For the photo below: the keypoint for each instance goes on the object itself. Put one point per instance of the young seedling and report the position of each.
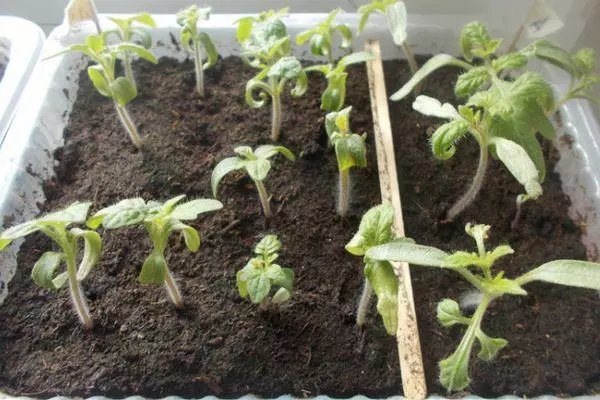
(321, 36)
(257, 166)
(376, 229)
(396, 16)
(121, 89)
(260, 274)
(197, 43)
(127, 32)
(350, 151)
(502, 115)
(334, 95)
(159, 219)
(270, 82)
(454, 370)
(44, 271)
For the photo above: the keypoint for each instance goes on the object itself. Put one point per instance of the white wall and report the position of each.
(503, 16)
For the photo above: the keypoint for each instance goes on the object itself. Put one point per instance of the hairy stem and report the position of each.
(363, 304)
(264, 198)
(475, 187)
(129, 125)
(275, 114)
(344, 197)
(173, 290)
(199, 70)
(128, 69)
(412, 63)
(78, 299)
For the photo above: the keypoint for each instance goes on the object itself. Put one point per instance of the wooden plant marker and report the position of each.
(409, 346)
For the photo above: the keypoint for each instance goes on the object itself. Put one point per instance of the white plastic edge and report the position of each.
(26, 156)
(26, 40)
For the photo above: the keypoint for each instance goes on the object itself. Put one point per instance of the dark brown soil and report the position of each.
(221, 344)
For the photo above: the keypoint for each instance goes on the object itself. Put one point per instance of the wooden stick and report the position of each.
(409, 346)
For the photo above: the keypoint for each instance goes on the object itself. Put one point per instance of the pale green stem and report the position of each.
(363, 304)
(128, 69)
(264, 304)
(475, 187)
(471, 278)
(515, 222)
(199, 70)
(264, 198)
(344, 196)
(173, 290)
(412, 63)
(129, 125)
(78, 299)
(275, 110)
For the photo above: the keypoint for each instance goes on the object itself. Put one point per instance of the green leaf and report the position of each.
(489, 346)
(283, 277)
(96, 74)
(471, 81)
(128, 204)
(433, 108)
(76, 213)
(4, 243)
(44, 269)
(461, 259)
(351, 151)
(434, 63)
(190, 210)
(498, 252)
(137, 50)
(268, 245)
(384, 282)
(585, 60)
(454, 370)
(375, 228)
(144, 18)
(224, 167)
(355, 58)
(244, 30)
(346, 34)
(92, 251)
(257, 284)
(509, 61)
(257, 169)
(565, 272)
(365, 10)
(123, 90)
(265, 89)
(128, 214)
(268, 151)
(190, 235)
(154, 270)
(304, 36)
(94, 43)
(143, 35)
(286, 67)
(448, 313)
(473, 35)
(519, 164)
(397, 21)
(320, 45)
(281, 296)
(551, 53)
(334, 95)
(18, 231)
(210, 49)
(445, 137)
(402, 250)
(503, 285)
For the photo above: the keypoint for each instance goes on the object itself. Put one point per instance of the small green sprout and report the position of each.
(54, 226)
(376, 229)
(350, 151)
(121, 89)
(270, 82)
(396, 16)
(321, 36)
(503, 115)
(159, 220)
(126, 32)
(260, 273)
(197, 43)
(257, 166)
(334, 95)
(454, 370)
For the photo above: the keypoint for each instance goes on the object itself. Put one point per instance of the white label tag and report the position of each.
(542, 20)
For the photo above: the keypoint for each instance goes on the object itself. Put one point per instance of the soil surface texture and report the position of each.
(223, 345)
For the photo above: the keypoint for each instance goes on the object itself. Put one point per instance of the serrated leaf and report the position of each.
(224, 167)
(350, 152)
(270, 244)
(473, 35)
(454, 370)
(448, 313)
(402, 250)
(553, 54)
(154, 269)
(565, 272)
(585, 60)
(461, 259)
(384, 282)
(92, 251)
(433, 108)
(503, 285)
(509, 61)
(471, 81)
(190, 210)
(375, 228)
(44, 269)
(445, 137)
(434, 63)
(498, 252)
(489, 346)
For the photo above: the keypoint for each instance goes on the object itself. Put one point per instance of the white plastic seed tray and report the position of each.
(22, 43)
(26, 154)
